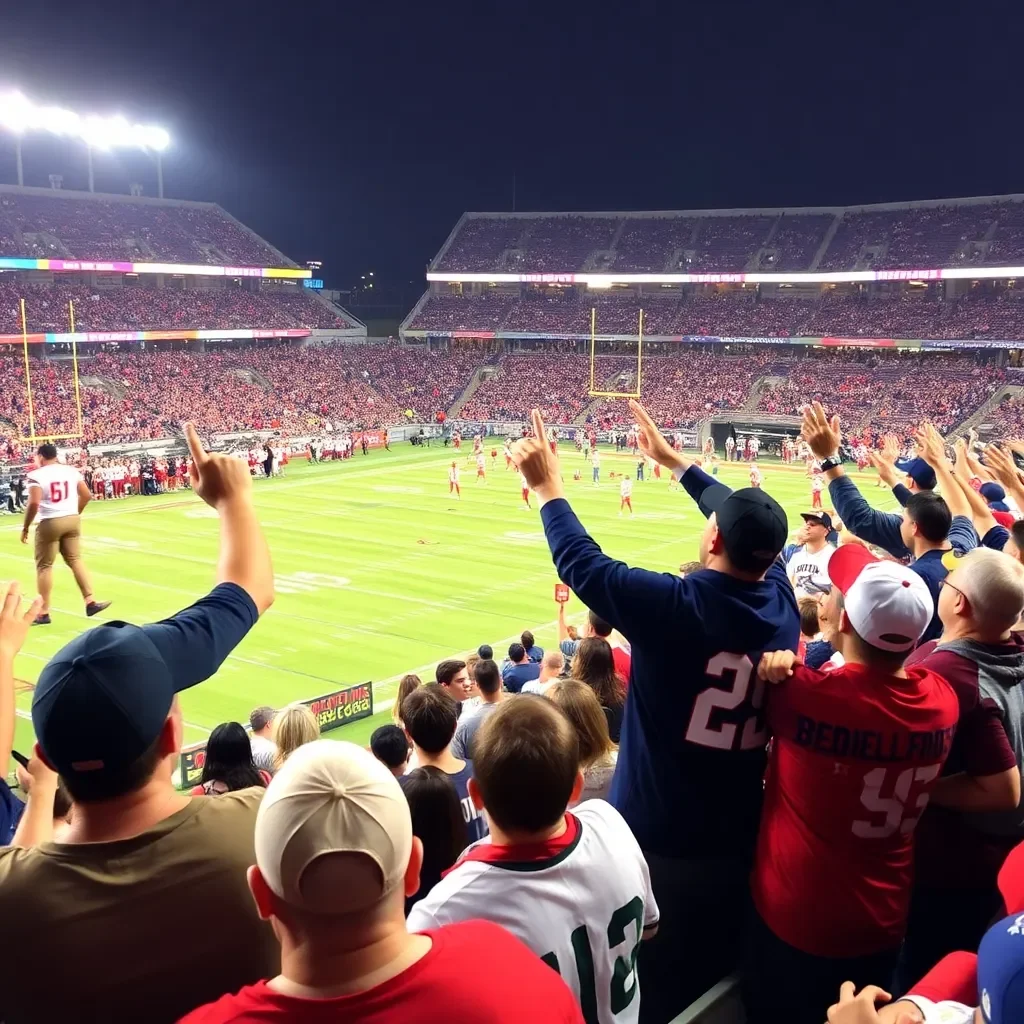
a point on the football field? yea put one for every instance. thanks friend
(378, 571)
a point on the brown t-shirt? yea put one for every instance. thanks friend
(142, 929)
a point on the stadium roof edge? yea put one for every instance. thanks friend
(772, 211)
(70, 193)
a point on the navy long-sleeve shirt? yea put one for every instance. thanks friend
(692, 752)
(883, 529)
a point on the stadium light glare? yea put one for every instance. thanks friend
(19, 115)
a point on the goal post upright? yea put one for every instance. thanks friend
(28, 375)
(639, 359)
(74, 364)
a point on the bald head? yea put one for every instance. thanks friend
(551, 665)
(986, 590)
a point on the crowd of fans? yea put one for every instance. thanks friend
(903, 238)
(135, 230)
(142, 308)
(738, 313)
(670, 796)
(134, 394)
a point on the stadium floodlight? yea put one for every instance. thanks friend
(20, 116)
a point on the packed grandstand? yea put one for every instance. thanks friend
(141, 276)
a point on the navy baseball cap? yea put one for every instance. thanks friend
(920, 472)
(821, 518)
(102, 699)
(1001, 971)
(994, 494)
(752, 523)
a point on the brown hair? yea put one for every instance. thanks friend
(808, 616)
(525, 762)
(430, 714)
(293, 727)
(405, 687)
(581, 706)
(593, 664)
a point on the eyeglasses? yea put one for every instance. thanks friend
(944, 582)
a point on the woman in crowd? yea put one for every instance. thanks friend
(228, 765)
(293, 727)
(438, 823)
(594, 665)
(597, 752)
(405, 687)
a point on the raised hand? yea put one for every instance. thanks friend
(651, 440)
(821, 433)
(933, 448)
(537, 462)
(14, 623)
(1004, 469)
(217, 479)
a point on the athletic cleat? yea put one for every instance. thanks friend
(41, 620)
(95, 607)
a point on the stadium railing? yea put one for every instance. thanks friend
(721, 1004)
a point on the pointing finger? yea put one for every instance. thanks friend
(538, 423)
(195, 446)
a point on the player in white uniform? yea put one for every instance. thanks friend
(453, 481)
(730, 448)
(576, 889)
(755, 475)
(807, 567)
(57, 494)
(626, 496)
(595, 462)
(481, 468)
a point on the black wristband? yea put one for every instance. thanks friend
(831, 463)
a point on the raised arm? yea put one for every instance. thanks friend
(823, 436)
(933, 450)
(223, 482)
(1004, 469)
(984, 521)
(14, 626)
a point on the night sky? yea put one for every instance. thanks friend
(357, 133)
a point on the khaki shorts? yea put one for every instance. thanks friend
(61, 534)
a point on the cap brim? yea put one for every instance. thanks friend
(813, 517)
(846, 564)
(714, 497)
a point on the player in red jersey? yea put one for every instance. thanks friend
(817, 486)
(456, 440)
(525, 489)
(494, 458)
(453, 481)
(855, 756)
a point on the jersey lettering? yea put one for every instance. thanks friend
(624, 970)
(700, 731)
(895, 807)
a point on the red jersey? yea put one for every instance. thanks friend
(853, 761)
(433, 990)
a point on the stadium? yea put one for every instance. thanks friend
(386, 471)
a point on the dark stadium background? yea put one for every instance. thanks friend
(357, 133)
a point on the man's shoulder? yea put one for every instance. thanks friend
(238, 807)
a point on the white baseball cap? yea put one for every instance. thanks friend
(332, 797)
(888, 604)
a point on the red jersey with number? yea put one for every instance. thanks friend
(433, 990)
(854, 758)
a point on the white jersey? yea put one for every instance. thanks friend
(595, 459)
(817, 484)
(59, 485)
(453, 475)
(597, 937)
(809, 570)
(480, 463)
(626, 487)
(755, 476)
(523, 482)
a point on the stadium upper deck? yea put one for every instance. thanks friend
(986, 231)
(196, 272)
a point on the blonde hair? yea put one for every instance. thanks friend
(581, 706)
(293, 727)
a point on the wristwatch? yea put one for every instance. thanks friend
(831, 462)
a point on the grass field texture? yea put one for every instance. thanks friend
(379, 572)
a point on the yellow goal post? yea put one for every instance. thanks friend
(33, 437)
(594, 390)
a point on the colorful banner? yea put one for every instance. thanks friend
(124, 267)
(606, 280)
(334, 709)
(80, 337)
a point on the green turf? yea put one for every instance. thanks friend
(379, 572)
